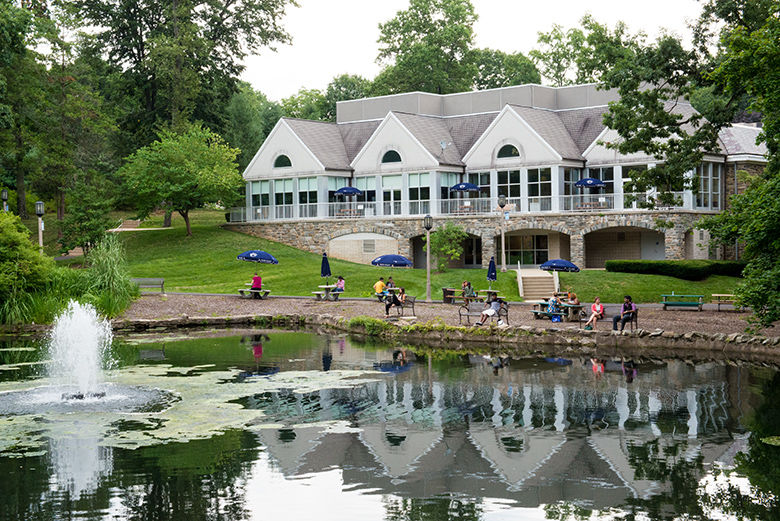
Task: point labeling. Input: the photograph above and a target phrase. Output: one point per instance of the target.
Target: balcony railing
(457, 206)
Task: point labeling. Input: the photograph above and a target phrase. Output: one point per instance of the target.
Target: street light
(427, 224)
(39, 213)
(5, 200)
(501, 204)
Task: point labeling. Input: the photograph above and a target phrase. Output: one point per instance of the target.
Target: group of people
(386, 293)
(627, 312)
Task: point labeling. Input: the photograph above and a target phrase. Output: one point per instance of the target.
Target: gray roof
(431, 131)
(583, 125)
(550, 127)
(741, 139)
(466, 130)
(356, 134)
(324, 140)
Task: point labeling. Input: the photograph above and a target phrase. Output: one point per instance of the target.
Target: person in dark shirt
(626, 313)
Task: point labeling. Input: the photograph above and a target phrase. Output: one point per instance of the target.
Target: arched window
(282, 161)
(508, 151)
(391, 156)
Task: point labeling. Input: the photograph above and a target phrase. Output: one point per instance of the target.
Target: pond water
(294, 425)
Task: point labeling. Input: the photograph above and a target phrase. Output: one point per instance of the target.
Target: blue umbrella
(348, 190)
(591, 182)
(325, 268)
(492, 275)
(393, 261)
(258, 256)
(558, 265)
(464, 187)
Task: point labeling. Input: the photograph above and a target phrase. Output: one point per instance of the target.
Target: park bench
(683, 301)
(258, 293)
(330, 295)
(724, 298)
(475, 309)
(150, 283)
(408, 303)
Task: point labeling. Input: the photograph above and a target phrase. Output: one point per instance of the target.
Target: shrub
(22, 267)
(110, 277)
(682, 269)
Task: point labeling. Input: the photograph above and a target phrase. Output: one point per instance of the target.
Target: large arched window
(391, 156)
(508, 151)
(282, 161)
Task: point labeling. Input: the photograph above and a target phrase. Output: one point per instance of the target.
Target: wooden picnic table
(572, 311)
(676, 300)
(724, 298)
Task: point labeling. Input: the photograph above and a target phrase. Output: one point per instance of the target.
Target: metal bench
(150, 283)
(682, 301)
(408, 303)
(256, 293)
(475, 309)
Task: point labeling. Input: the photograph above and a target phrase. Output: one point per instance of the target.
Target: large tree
(427, 47)
(499, 69)
(182, 172)
(250, 116)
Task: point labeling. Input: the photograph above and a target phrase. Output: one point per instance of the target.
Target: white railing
(475, 206)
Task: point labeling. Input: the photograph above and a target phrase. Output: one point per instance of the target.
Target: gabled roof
(356, 134)
(550, 128)
(466, 130)
(431, 131)
(741, 139)
(324, 140)
(583, 125)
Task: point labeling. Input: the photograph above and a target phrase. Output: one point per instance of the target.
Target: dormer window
(391, 156)
(508, 151)
(282, 161)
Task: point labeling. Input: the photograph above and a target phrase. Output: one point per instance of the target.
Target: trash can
(448, 295)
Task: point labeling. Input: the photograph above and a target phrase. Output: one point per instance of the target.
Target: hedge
(682, 269)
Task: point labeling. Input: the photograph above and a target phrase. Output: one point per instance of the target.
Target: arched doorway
(624, 242)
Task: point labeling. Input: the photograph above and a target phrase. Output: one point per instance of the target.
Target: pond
(296, 425)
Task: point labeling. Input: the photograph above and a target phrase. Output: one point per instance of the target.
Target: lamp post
(427, 224)
(502, 204)
(5, 200)
(39, 213)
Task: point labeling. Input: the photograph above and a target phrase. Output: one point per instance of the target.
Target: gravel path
(151, 306)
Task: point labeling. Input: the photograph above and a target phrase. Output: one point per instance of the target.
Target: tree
(427, 47)
(343, 88)
(88, 217)
(557, 58)
(306, 104)
(250, 117)
(183, 172)
(447, 245)
(22, 267)
(497, 69)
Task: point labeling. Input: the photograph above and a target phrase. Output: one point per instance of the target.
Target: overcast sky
(333, 37)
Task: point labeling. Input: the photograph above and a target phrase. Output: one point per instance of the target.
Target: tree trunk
(167, 218)
(186, 215)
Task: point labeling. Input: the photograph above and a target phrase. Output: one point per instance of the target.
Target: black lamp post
(427, 224)
(5, 199)
(39, 213)
(502, 204)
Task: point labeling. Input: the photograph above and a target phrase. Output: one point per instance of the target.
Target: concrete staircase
(533, 284)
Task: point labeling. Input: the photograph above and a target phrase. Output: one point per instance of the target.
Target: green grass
(207, 263)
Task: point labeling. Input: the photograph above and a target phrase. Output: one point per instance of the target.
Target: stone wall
(314, 235)
(737, 186)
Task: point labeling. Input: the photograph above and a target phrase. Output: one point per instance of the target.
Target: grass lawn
(206, 262)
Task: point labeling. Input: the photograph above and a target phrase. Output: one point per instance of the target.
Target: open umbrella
(393, 261)
(325, 268)
(348, 190)
(491, 275)
(559, 265)
(590, 182)
(258, 256)
(464, 187)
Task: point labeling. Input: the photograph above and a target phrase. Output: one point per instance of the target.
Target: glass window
(509, 183)
(508, 151)
(307, 190)
(391, 190)
(391, 156)
(539, 182)
(570, 178)
(606, 174)
(282, 161)
(448, 179)
(368, 186)
(716, 177)
(283, 191)
(482, 180)
(334, 183)
(527, 249)
(709, 178)
(261, 193)
(419, 193)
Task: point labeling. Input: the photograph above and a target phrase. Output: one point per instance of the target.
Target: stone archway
(622, 242)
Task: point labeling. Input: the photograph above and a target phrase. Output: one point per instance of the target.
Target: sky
(334, 37)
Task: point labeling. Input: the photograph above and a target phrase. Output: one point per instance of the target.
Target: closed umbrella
(258, 256)
(491, 274)
(325, 268)
(559, 265)
(393, 261)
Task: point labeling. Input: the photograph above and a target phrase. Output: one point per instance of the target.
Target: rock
(656, 333)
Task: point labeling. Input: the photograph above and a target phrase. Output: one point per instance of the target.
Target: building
(528, 143)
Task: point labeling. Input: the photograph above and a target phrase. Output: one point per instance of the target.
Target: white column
(380, 207)
(693, 417)
(653, 407)
(322, 197)
(523, 190)
(495, 402)
(434, 183)
(405, 194)
(556, 180)
(494, 189)
(295, 201)
(407, 402)
(617, 175)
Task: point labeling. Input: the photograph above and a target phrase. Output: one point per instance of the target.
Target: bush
(22, 267)
(682, 269)
(110, 277)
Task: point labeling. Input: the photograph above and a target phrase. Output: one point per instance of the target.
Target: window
(482, 180)
(261, 193)
(282, 161)
(419, 193)
(334, 183)
(539, 189)
(369, 246)
(509, 184)
(283, 191)
(368, 186)
(508, 151)
(607, 175)
(391, 156)
(570, 177)
(391, 190)
(708, 193)
(527, 249)
(448, 179)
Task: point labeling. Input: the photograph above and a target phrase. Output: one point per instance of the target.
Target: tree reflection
(433, 509)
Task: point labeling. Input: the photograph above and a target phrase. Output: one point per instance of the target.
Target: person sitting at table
(553, 305)
(257, 284)
(395, 300)
(491, 310)
(627, 311)
(596, 312)
(468, 290)
(339, 285)
(390, 283)
(572, 297)
(380, 288)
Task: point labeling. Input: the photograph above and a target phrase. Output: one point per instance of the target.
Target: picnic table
(257, 293)
(490, 293)
(572, 311)
(327, 293)
(724, 298)
(685, 301)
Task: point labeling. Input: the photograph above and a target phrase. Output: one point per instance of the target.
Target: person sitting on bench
(626, 314)
(395, 300)
(491, 310)
(339, 285)
(596, 313)
(257, 284)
